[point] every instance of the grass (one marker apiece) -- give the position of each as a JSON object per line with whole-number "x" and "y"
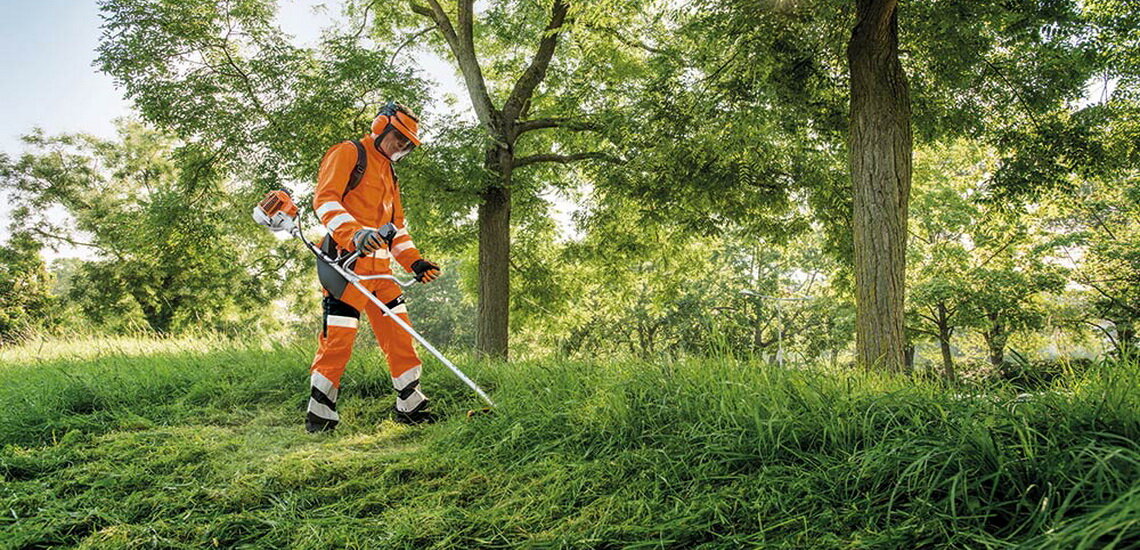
{"x": 141, "y": 444}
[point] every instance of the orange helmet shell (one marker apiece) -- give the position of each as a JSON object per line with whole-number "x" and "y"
{"x": 402, "y": 119}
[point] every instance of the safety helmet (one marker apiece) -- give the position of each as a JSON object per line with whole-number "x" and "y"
{"x": 400, "y": 118}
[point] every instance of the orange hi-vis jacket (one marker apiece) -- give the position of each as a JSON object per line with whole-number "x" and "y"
{"x": 375, "y": 201}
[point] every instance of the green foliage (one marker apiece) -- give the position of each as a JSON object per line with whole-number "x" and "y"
{"x": 26, "y": 302}
{"x": 974, "y": 263}
{"x": 442, "y": 312}
{"x": 1101, "y": 226}
{"x": 221, "y": 75}
{"x": 170, "y": 241}
{"x": 735, "y": 122}
{"x": 102, "y": 449}
{"x": 631, "y": 285}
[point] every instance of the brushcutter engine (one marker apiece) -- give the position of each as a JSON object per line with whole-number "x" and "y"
{"x": 277, "y": 212}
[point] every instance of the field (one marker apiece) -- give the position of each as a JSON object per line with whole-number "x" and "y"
{"x": 198, "y": 443}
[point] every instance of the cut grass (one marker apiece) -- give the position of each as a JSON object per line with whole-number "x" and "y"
{"x": 200, "y": 444}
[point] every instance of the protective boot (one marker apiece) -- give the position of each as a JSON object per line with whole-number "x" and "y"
{"x": 418, "y": 415}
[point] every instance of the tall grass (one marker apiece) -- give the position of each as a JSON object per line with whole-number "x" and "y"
{"x": 191, "y": 445}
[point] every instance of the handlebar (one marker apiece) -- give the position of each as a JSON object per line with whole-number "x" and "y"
{"x": 349, "y": 258}
{"x": 344, "y": 260}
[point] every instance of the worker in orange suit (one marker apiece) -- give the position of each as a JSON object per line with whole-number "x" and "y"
{"x": 358, "y": 201}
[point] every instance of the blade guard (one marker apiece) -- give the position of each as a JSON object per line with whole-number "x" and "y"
{"x": 276, "y": 212}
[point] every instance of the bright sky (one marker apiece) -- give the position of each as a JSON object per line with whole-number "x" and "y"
{"x": 47, "y": 48}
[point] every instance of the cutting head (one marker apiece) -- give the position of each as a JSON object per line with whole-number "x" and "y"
{"x": 276, "y": 211}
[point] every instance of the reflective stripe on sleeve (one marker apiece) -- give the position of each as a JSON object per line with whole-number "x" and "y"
{"x": 397, "y": 249}
{"x": 328, "y": 207}
{"x": 339, "y": 220}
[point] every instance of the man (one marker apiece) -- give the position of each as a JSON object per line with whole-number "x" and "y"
{"x": 358, "y": 201}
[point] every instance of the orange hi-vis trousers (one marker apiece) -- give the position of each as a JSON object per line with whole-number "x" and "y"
{"x": 336, "y": 338}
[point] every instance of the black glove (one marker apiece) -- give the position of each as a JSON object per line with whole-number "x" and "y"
{"x": 426, "y": 271}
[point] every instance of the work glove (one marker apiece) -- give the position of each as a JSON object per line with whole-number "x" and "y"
{"x": 368, "y": 241}
{"x": 426, "y": 271}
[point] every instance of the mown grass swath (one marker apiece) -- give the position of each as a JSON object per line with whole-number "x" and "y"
{"x": 201, "y": 445}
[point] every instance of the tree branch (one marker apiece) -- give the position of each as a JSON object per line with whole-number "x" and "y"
{"x": 922, "y": 331}
{"x": 407, "y": 41}
{"x": 555, "y": 122}
{"x": 72, "y": 242}
{"x": 536, "y": 72}
{"x": 1016, "y": 93}
{"x": 1103, "y": 330}
{"x": 564, "y": 159}
{"x": 463, "y": 48}
{"x": 630, "y": 42}
{"x": 364, "y": 18}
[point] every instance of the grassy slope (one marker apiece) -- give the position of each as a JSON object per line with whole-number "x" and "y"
{"x": 198, "y": 444}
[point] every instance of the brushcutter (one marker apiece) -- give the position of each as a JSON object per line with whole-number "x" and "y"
{"x": 278, "y": 212}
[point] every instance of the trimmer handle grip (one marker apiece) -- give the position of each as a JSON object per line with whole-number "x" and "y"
{"x": 388, "y": 232}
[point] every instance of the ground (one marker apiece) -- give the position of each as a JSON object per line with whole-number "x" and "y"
{"x": 191, "y": 443}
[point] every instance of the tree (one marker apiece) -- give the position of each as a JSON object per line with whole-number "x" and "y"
{"x": 505, "y": 121}
{"x": 981, "y": 69}
{"x": 164, "y": 235}
{"x": 1098, "y": 227}
{"x": 225, "y": 78}
{"x": 880, "y": 150}
{"x": 975, "y": 263}
{"x": 1005, "y": 298}
{"x": 219, "y": 71}
{"x": 26, "y": 302}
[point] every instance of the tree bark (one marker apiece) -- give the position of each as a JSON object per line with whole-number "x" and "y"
{"x": 491, "y": 331}
{"x": 996, "y": 338}
{"x": 880, "y": 160}
{"x": 947, "y": 358}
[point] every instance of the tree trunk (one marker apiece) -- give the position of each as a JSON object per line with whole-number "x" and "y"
{"x": 947, "y": 358}
{"x": 996, "y": 338}
{"x": 880, "y": 161}
{"x": 495, "y": 209}
{"x": 494, "y": 258}
{"x": 945, "y": 331}
{"x": 997, "y": 351}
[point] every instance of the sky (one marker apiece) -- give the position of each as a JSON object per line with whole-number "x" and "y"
{"x": 47, "y": 51}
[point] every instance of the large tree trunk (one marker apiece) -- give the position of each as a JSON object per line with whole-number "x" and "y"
{"x": 880, "y": 161}
{"x": 494, "y": 258}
